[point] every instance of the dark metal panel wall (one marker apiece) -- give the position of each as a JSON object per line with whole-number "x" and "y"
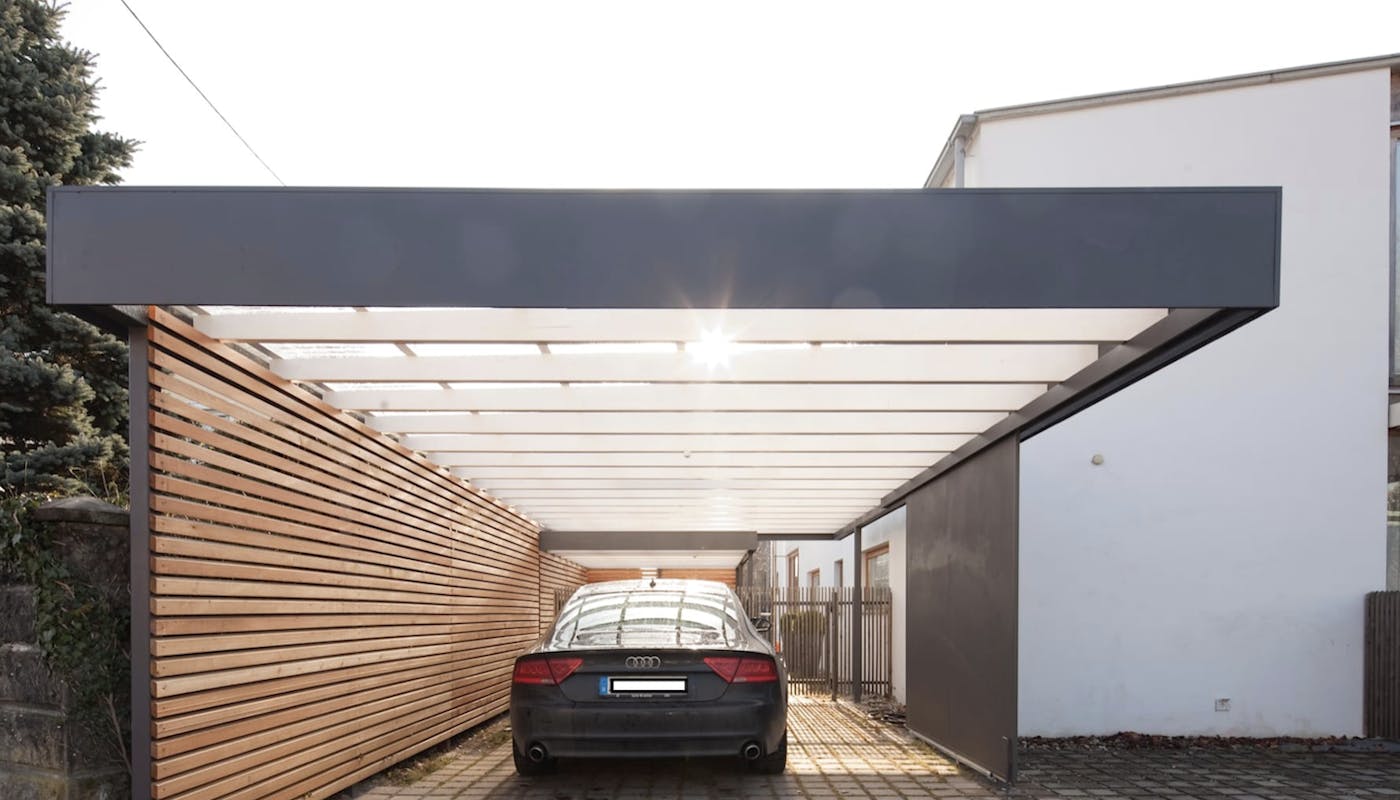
{"x": 961, "y": 614}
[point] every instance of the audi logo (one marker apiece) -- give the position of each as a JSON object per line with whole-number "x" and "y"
{"x": 643, "y": 662}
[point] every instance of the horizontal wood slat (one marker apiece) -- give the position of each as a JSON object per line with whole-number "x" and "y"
{"x": 557, "y": 574}
{"x": 724, "y": 576}
{"x": 324, "y": 601}
{"x": 604, "y": 575}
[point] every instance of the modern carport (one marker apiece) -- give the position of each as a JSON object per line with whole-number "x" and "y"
{"x": 354, "y": 412}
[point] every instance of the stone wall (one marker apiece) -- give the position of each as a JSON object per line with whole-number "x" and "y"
{"x": 755, "y": 571}
{"x": 43, "y": 754}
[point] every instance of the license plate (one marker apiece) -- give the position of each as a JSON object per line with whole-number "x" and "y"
{"x": 641, "y": 686}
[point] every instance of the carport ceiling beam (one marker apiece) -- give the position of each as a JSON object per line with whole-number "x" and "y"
{"x": 679, "y": 443}
{"x": 899, "y": 424}
{"x": 648, "y": 540}
{"x": 528, "y": 326}
{"x": 662, "y": 559}
{"x": 686, "y": 460}
{"x": 698, "y": 397}
{"x": 815, "y": 494}
{"x": 734, "y": 483}
{"x": 962, "y": 364}
{"x": 650, "y": 525}
{"x": 846, "y": 474}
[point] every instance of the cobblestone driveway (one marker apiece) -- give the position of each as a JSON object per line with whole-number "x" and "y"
{"x": 1245, "y": 773}
{"x": 836, "y": 752}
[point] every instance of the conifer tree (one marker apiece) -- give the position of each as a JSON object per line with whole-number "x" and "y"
{"x": 63, "y": 403}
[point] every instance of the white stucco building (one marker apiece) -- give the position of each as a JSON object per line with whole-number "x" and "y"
{"x": 1195, "y": 549}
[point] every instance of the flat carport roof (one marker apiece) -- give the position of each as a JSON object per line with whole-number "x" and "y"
{"x": 790, "y": 363}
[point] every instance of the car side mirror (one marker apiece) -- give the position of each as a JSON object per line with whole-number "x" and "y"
{"x": 763, "y": 622}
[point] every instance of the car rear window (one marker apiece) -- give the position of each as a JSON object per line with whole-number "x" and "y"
{"x": 647, "y": 618}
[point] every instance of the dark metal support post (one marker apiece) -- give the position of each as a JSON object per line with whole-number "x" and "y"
{"x": 140, "y": 487}
{"x": 833, "y": 629}
{"x": 857, "y": 640}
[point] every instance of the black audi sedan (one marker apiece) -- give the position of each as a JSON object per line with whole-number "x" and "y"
{"x": 650, "y": 668}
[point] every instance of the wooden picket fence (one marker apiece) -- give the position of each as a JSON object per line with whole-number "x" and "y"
{"x": 1382, "y": 674}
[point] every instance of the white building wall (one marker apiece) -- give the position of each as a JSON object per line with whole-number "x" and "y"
{"x": 814, "y": 554}
{"x": 1223, "y": 548}
{"x": 890, "y": 528}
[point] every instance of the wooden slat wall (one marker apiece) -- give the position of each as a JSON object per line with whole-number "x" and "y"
{"x": 324, "y": 602}
{"x": 601, "y": 575}
{"x": 557, "y": 574}
{"x": 725, "y": 576}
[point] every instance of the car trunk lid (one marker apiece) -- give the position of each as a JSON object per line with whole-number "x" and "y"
{"x": 644, "y": 675}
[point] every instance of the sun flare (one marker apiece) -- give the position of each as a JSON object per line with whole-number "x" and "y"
{"x": 713, "y": 350}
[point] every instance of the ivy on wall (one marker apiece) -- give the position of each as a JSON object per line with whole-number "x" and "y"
{"x": 82, "y": 633}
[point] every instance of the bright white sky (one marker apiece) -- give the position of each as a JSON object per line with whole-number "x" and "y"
{"x": 649, "y": 94}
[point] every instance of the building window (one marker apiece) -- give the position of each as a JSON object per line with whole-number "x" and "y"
{"x": 877, "y": 566}
{"x": 840, "y": 573}
{"x": 814, "y": 578}
{"x": 792, "y": 570}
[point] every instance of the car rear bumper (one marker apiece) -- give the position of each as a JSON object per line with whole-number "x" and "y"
{"x": 643, "y": 729}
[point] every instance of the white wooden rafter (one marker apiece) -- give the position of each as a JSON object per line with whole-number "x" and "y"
{"x": 698, "y": 397}
{"x": 482, "y": 461}
{"x": 837, "y": 473}
{"x": 625, "y": 420}
{"x": 683, "y": 443}
{"x": 531, "y": 326}
{"x": 659, "y": 423}
{"x": 950, "y": 363}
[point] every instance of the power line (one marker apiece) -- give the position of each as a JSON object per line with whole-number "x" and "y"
{"x": 201, "y": 93}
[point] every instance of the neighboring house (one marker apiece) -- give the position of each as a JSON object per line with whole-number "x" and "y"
{"x": 1195, "y": 549}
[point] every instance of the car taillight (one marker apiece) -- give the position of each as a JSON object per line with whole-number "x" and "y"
{"x": 532, "y": 670}
{"x": 756, "y": 670}
{"x": 750, "y": 669}
{"x": 723, "y": 667}
{"x": 545, "y": 671}
{"x": 562, "y": 668}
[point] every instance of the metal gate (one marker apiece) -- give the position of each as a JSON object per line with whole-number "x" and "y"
{"x": 811, "y": 630}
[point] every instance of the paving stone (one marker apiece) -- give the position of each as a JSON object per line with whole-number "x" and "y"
{"x": 836, "y": 752}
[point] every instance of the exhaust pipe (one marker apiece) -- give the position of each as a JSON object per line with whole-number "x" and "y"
{"x": 536, "y": 753}
{"x": 751, "y": 751}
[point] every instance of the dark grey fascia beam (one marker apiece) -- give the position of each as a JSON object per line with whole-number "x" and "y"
{"x": 1181, "y": 332}
{"x": 965, "y": 248}
{"x": 116, "y": 320}
{"x": 648, "y": 540}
